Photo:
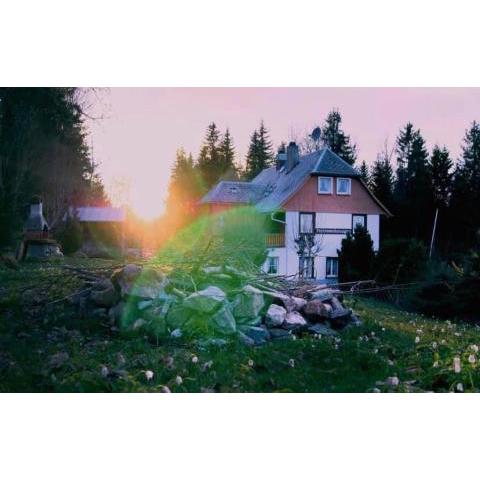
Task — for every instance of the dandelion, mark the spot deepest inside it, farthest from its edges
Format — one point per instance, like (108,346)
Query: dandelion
(194,359)
(375,350)
(372,334)
(383,329)
(104,371)
(434,345)
(148,374)
(417,339)
(178,380)
(459,387)
(474,348)
(291,363)
(165,389)
(472,358)
(443,341)
(457,366)
(393,381)
(390,362)
(419,330)
(435,364)
(250,363)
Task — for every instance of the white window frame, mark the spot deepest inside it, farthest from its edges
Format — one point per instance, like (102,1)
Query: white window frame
(349,180)
(326,267)
(331,185)
(275,263)
(358,215)
(306,214)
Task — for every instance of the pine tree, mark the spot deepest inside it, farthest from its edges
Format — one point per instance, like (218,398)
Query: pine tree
(227,157)
(440,167)
(403,149)
(209,161)
(260,153)
(364,173)
(335,138)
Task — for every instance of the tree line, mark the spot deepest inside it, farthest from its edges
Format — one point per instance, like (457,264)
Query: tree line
(43,152)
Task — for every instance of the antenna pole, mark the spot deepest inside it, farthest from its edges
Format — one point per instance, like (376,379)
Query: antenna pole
(433,233)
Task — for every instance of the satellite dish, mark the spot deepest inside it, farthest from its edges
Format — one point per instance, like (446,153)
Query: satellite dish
(316,134)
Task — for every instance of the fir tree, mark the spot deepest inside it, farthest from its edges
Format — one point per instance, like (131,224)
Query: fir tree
(209,161)
(364,173)
(227,157)
(440,167)
(260,154)
(382,180)
(403,149)
(335,138)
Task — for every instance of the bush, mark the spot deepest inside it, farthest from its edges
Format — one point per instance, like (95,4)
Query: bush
(400,261)
(71,235)
(355,259)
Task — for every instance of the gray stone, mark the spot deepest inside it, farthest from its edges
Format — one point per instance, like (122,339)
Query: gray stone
(323,294)
(145,283)
(206,301)
(321,329)
(245,339)
(275,316)
(177,316)
(223,321)
(248,303)
(124,278)
(291,304)
(294,320)
(177,333)
(316,310)
(338,310)
(104,298)
(279,333)
(260,335)
(115,313)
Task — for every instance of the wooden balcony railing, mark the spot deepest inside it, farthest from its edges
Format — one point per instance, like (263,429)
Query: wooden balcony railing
(275,240)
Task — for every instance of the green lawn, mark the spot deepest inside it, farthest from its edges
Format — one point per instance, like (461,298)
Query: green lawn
(49,349)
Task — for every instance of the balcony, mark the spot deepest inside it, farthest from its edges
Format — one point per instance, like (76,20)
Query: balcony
(275,240)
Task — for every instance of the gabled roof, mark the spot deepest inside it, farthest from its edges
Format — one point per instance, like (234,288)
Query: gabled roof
(99,214)
(272,187)
(330,163)
(234,192)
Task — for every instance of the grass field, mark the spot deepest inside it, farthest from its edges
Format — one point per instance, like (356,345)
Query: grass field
(45,347)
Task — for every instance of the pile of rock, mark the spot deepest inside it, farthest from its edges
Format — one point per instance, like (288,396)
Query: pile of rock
(143,299)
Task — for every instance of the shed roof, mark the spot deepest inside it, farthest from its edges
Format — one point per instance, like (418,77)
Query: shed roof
(99,214)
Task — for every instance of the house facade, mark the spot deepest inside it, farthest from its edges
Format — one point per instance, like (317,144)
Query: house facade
(314,201)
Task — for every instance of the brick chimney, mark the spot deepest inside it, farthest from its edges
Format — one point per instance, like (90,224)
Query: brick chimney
(293,156)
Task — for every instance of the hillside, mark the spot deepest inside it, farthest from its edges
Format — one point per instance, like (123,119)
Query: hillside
(45,347)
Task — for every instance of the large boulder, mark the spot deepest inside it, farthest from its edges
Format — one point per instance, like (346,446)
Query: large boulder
(275,316)
(124,278)
(294,320)
(205,301)
(177,316)
(291,304)
(321,329)
(248,303)
(317,311)
(133,280)
(107,297)
(223,321)
(323,294)
(259,335)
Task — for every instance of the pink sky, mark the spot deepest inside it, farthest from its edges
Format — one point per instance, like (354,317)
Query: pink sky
(143,127)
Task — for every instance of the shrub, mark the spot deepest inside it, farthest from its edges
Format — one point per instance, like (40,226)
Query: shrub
(400,261)
(70,235)
(355,259)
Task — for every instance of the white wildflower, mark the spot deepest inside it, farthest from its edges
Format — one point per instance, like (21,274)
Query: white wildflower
(383,329)
(417,339)
(435,364)
(178,380)
(472,358)
(459,387)
(375,390)
(434,345)
(148,374)
(165,389)
(457,366)
(390,362)
(250,362)
(291,362)
(375,350)
(194,359)
(393,381)
(419,330)
(443,341)
(104,371)
(474,348)
(372,334)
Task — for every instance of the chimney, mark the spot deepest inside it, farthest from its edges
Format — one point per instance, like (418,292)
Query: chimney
(293,157)
(281,157)
(36,221)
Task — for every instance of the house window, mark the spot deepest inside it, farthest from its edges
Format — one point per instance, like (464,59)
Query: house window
(331,270)
(344,186)
(358,219)
(272,266)
(306,267)
(325,185)
(307,222)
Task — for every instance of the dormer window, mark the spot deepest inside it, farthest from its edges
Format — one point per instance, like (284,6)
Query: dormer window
(325,185)
(344,186)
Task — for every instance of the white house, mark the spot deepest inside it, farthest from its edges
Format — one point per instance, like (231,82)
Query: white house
(315,200)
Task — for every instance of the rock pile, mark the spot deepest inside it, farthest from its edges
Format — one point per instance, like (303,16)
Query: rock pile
(144,300)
